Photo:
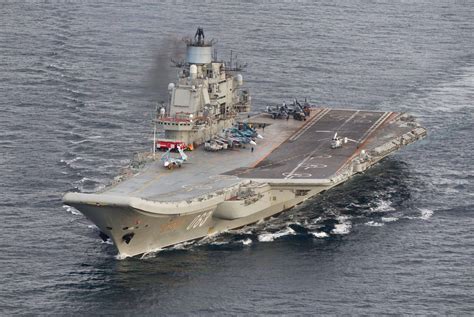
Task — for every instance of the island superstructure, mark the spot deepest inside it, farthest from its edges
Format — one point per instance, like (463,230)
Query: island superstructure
(248,178)
(205,100)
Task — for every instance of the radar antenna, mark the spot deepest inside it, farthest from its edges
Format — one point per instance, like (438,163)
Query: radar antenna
(199,36)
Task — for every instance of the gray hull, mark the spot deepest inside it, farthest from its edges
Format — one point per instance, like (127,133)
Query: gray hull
(152,231)
(220,191)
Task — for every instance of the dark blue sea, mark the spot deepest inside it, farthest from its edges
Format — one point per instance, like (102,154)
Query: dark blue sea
(79,81)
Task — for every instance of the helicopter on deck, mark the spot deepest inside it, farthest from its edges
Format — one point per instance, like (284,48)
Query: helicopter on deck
(296,109)
(171,162)
(337,141)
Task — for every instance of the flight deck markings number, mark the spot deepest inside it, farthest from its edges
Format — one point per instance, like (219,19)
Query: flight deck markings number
(199,220)
(293,175)
(190,188)
(338,117)
(323,156)
(311,166)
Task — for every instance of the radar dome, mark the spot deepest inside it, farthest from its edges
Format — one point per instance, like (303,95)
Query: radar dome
(240,79)
(193,70)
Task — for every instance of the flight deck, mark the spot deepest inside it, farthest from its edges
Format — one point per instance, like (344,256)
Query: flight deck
(291,151)
(307,154)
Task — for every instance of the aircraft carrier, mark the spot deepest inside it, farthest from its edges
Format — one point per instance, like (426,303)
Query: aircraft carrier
(232,177)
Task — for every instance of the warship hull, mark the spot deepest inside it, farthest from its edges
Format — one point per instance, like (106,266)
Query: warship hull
(219,191)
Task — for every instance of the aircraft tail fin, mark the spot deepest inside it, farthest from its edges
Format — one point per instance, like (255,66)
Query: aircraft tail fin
(184,157)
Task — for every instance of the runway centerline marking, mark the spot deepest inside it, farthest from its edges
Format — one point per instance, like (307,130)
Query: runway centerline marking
(291,174)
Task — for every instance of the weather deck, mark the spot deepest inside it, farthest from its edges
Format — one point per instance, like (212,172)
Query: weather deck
(290,150)
(308,154)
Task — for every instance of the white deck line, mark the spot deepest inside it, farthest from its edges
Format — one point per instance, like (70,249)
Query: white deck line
(290,174)
(377,123)
(310,124)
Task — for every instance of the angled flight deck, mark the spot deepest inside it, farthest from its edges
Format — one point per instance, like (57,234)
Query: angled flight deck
(307,154)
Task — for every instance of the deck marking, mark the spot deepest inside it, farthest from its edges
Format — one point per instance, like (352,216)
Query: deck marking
(311,166)
(383,118)
(291,174)
(376,124)
(148,183)
(254,166)
(288,176)
(363,121)
(323,156)
(190,188)
(305,128)
(312,159)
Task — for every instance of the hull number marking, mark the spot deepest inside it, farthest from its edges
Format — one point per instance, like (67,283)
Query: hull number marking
(199,220)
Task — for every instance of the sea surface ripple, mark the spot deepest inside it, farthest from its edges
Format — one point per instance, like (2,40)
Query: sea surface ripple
(78,85)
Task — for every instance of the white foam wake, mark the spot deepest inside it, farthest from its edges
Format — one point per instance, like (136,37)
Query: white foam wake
(425,213)
(382,206)
(374,224)
(321,234)
(342,228)
(219,242)
(147,255)
(72,210)
(69,162)
(181,246)
(268,237)
(121,257)
(247,241)
(389,219)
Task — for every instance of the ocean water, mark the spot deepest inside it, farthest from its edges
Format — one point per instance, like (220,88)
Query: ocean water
(78,85)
